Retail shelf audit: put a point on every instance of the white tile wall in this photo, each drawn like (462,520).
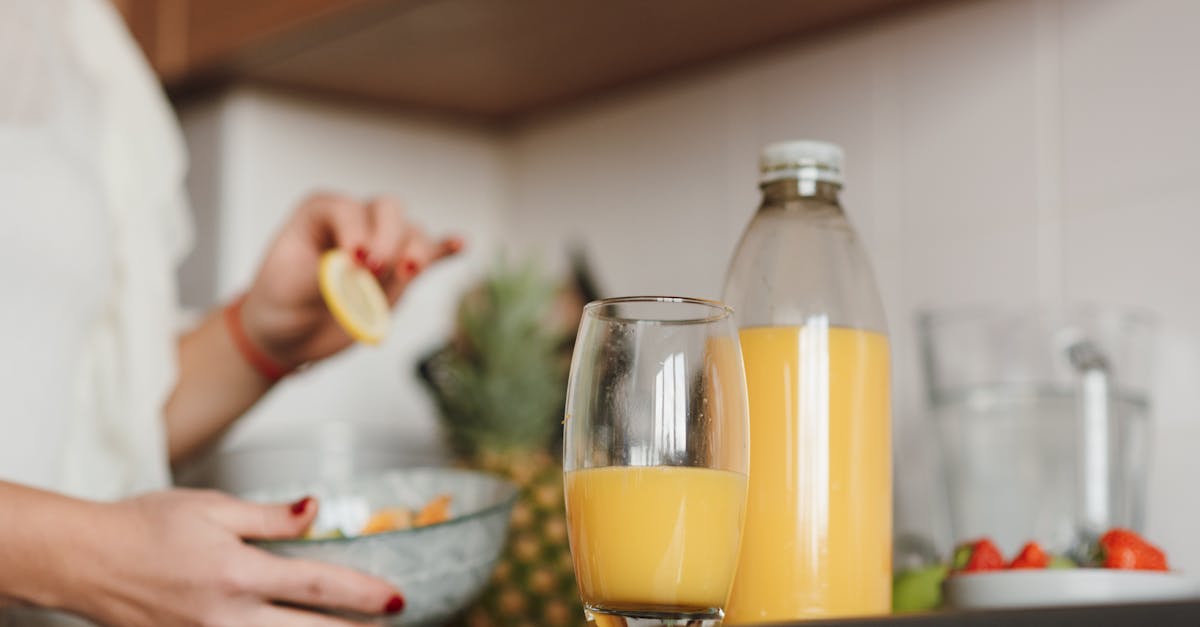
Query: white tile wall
(1008,151)
(1130,102)
(622,185)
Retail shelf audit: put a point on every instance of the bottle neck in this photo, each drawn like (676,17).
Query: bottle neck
(782,191)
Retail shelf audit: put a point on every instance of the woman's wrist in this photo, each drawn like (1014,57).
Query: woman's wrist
(216,382)
(82,573)
(249,333)
(50,550)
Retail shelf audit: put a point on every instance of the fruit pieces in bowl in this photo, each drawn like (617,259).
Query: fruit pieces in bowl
(1124,549)
(351,516)
(399,518)
(982,555)
(1117,549)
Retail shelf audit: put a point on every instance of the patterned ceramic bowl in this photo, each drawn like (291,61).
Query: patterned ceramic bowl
(440,568)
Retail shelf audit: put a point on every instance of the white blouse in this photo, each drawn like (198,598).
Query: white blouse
(94,224)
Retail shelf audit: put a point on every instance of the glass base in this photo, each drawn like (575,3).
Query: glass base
(607,617)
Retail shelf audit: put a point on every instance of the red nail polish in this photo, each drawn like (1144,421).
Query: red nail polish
(360,255)
(376,268)
(395,605)
(299,507)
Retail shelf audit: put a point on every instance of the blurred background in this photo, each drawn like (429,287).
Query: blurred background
(999,152)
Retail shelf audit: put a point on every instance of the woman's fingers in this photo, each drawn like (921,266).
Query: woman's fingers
(257,521)
(340,221)
(276,616)
(299,582)
(450,246)
(378,236)
(315,584)
(388,232)
(414,257)
(420,251)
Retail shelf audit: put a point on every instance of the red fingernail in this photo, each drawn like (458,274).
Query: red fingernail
(395,605)
(299,507)
(376,268)
(360,255)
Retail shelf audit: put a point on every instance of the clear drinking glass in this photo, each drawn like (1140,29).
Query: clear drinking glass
(1043,420)
(656,454)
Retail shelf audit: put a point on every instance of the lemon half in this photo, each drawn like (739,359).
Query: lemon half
(354,297)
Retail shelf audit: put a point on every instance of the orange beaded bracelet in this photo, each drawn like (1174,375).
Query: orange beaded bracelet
(262,363)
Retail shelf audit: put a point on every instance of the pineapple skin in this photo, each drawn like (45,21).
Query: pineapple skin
(534,581)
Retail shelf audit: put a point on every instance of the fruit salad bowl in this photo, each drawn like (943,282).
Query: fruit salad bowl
(439,567)
(1118,567)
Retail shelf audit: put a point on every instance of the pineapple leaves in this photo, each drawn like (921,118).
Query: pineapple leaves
(500,383)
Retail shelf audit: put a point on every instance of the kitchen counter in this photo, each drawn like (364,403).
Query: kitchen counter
(1175,614)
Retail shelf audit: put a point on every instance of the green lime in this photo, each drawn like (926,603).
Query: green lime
(918,590)
(1062,561)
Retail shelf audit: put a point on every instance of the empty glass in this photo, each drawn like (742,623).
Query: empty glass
(656,455)
(1042,419)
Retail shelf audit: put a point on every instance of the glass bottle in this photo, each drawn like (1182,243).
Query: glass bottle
(818,534)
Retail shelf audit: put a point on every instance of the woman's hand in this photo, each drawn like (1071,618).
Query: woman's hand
(284,313)
(177,558)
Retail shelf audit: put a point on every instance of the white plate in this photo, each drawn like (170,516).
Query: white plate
(1078,586)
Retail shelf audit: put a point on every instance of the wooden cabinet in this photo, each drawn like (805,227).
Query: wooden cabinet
(190,39)
(493,59)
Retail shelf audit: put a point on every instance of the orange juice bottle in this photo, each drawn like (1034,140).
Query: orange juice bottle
(817,540)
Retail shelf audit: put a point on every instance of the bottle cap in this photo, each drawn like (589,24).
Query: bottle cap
(804,159)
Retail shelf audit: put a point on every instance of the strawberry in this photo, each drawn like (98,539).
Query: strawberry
(1031,556)
(978,556)
(1121,556)
(1124,549)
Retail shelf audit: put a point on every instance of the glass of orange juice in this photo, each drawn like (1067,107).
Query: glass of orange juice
(656,452)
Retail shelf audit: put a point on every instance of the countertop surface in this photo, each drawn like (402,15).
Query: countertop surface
(1175,614)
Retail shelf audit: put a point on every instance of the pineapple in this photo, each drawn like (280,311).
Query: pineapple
(500,387)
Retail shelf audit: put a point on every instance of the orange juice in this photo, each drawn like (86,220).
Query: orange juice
(818,534)
(654,537)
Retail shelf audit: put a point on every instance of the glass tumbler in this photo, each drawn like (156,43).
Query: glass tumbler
(1043,420)
(656,452)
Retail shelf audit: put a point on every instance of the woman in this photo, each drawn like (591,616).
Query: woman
(102,395)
